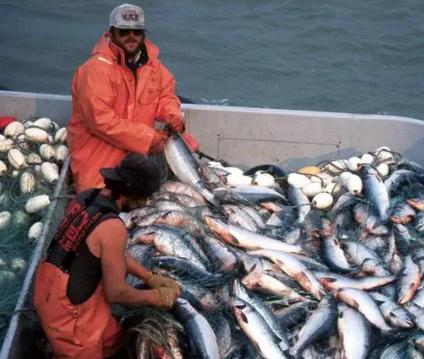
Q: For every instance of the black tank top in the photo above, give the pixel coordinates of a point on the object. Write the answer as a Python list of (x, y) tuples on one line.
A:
[(69, 250), (84, 275)]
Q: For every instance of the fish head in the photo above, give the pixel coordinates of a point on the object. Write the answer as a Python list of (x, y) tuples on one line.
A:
[(328, 282), (418, 341), (240, 291), (209, 301), (240, 308), (271, 207), (220, 192), (379, 230), (327, 228), (251, 280), (367, 169), (370, 266), (219, 228), (143, 235), (361, 212), (168, 218), (338, 293), (416, 203), (401, 319)]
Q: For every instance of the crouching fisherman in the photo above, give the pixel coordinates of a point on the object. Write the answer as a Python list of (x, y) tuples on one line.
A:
[(86, 265)]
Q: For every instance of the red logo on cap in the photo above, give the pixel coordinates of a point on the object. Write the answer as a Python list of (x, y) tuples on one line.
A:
[(130, 15)]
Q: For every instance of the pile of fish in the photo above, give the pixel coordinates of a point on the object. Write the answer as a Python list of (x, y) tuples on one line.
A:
[(325, 262), (31, 155)]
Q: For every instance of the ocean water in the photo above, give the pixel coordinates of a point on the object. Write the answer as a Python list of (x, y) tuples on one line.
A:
[(343, 56)]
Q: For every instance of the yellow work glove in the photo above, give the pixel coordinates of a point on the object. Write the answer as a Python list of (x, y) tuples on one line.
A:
[(166, 298), (155, 281)]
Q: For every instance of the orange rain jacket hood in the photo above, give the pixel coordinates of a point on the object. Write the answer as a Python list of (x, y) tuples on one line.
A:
[(113, 111)]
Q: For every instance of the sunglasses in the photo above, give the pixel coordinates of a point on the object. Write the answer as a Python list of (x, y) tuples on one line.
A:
[(126, 32)]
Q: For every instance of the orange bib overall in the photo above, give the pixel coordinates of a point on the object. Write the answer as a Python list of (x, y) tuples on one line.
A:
[(86, 330)]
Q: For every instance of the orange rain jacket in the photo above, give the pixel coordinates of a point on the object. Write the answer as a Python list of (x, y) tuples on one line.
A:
[(113, 111)]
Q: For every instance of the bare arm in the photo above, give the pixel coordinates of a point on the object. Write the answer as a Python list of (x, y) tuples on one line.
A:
[(113, 237), (136, 269)]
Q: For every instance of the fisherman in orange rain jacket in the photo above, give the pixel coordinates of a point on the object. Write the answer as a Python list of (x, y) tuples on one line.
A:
[(117, 95), (86, 264)]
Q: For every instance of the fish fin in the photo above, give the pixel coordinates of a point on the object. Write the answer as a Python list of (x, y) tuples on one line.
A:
[(329, 279), (252, 269), (412, 287), (304, 277), (234, 240), (378, 301), (355, 303), (243, 317), (279, 262)]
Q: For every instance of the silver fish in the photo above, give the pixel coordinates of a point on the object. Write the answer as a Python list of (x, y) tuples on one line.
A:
[(222, 330), (375, 191), (248, 194), (333, 281), (397, 177), (333, 255), (295, 269), (394, 351), (374, 267), (392, 258), (179, 193), (409, 281), (222, 258), (238, 217), (299, 199), (265, 283), (368, 221), (417, 202), (171, 242), (358, 253), (392, 312), (417, 312), (199, 330), (351, 321), (419, 297), (253, 212), (419, 222), (402, 213), (267, 315), (243, 238), (291, 316), (255, 327), (345, 201), (185, 166), (402, 234), (320, 323), (190, 269), (249, 262), (376, 243), (310, 263), (363, 302), (166, 205)]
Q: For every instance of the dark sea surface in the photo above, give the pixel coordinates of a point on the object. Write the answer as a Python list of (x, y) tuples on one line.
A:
[(343, 56)]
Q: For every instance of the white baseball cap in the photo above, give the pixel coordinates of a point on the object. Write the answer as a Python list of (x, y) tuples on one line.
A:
[(127, 16)]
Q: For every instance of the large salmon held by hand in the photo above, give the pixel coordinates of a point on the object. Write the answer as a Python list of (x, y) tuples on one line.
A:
[(185, 166)]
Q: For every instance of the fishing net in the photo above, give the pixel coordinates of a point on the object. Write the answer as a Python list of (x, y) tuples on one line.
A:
[(21, 179)]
